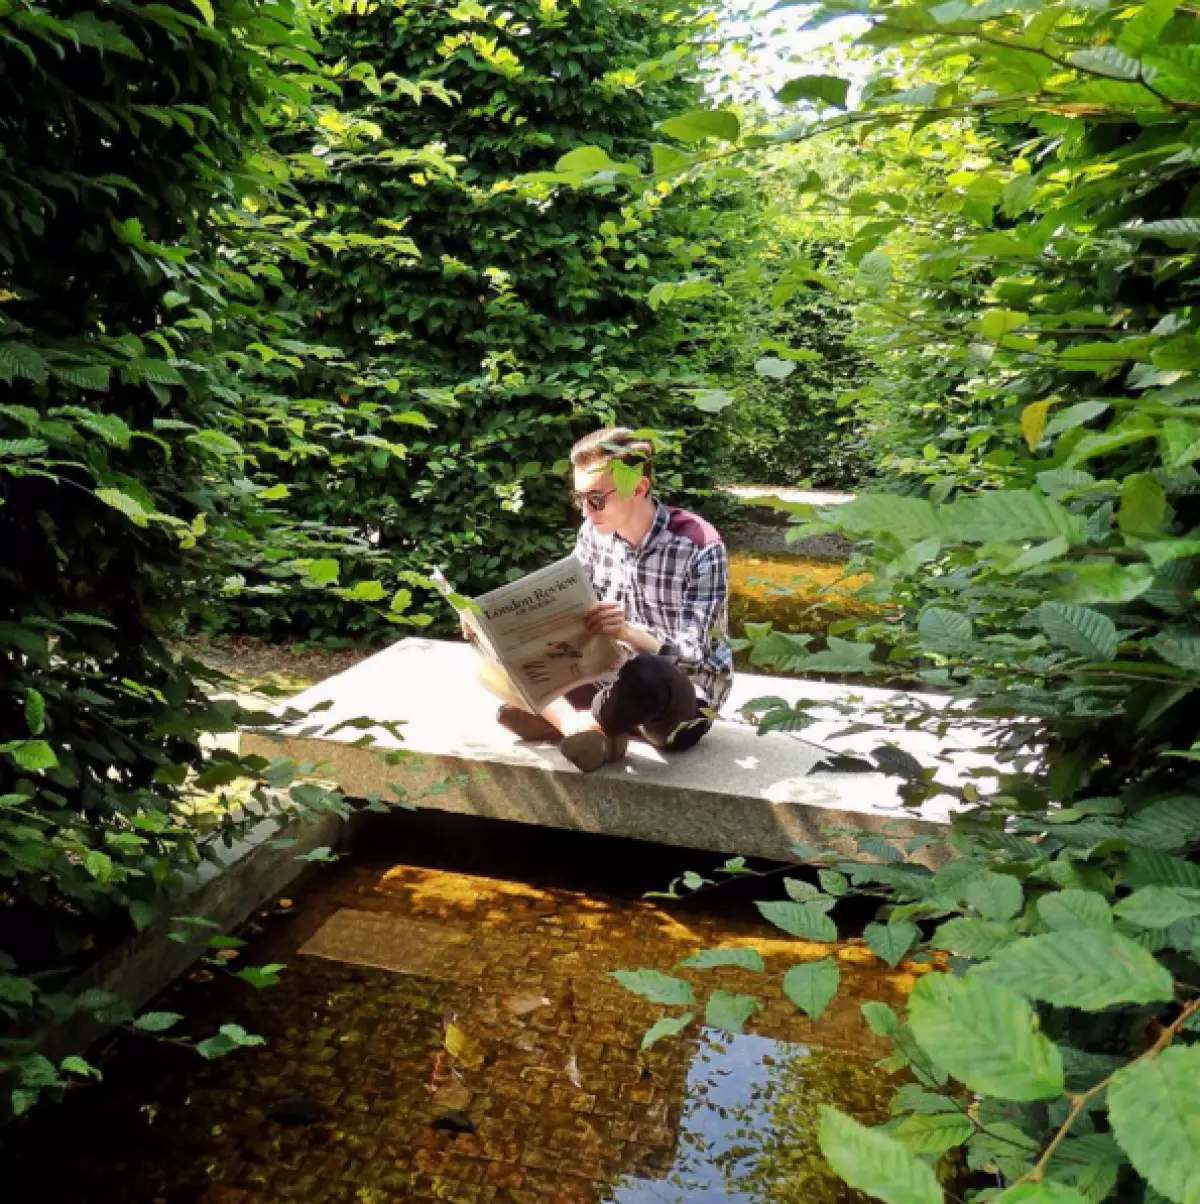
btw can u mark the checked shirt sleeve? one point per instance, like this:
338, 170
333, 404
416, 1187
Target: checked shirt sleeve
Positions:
692, 645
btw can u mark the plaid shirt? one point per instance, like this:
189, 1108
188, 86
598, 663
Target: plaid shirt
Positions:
675, 584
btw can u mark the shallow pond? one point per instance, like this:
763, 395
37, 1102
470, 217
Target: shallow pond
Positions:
794, 593
453, 1034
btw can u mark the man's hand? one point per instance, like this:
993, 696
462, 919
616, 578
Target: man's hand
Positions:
606, 618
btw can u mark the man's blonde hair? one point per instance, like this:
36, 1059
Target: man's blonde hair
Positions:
614, 444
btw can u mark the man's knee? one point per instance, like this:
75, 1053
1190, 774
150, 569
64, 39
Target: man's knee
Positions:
643, 671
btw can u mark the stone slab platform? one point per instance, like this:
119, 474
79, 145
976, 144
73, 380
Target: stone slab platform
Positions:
737, 792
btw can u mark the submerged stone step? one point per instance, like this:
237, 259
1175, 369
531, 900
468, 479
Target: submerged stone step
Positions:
737, 792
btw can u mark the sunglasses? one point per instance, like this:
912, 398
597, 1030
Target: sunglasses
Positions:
592, 499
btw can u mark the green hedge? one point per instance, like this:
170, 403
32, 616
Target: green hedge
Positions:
477, 323
123, 130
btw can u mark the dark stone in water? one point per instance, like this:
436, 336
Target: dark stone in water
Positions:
453, 1120
297, 1110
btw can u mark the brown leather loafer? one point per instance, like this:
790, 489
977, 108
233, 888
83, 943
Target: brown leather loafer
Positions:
525, 725
587, 751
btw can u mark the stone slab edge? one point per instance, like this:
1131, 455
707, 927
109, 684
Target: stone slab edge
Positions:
149, 961
606, 805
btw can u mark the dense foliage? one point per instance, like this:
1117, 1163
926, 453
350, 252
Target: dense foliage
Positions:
1022, 262
474, 326
123, 133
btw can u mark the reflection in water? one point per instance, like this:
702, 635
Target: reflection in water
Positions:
748, 1132
443, 1036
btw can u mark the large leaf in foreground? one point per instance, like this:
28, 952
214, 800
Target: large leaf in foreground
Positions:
811, 985
871, 1161
986, 1036
1046, 1192
806, 920
1084, 968
1154, 1107
891, 941
655, 986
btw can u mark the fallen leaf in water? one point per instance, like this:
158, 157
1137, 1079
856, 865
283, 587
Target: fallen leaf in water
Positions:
461, 1045
572, 1069
522, 1005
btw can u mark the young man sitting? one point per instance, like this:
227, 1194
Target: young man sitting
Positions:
661, 576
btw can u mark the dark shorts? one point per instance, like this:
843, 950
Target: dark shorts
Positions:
650, 696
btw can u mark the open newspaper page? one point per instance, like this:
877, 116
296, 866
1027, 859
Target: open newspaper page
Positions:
534, 630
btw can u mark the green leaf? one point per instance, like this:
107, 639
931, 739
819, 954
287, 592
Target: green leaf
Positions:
778, 369
833, 882
698, 124
806, 920
1179, 647
1045, 1192
367, 591
130, 507
729, 1012
22, 360
626, 477
587, 160
1143, 505
1175, 229
261, 976
85, 376
98, 864
35, 712
825, 89
891, 941
80, 1066
322, 571
946, 629
1107, 61
666, 1026
995, 896
216, 442
668, 160
708, 959
873, 1162
811, 985
1156, 907
800, 891
1145, 867
712, 401
1168, 824
655, 986
879, 1017
205, 9
1107, 582
996, 323
986, 1036
157, 1022
1067, 909
1082, 968
1153, 1106
31, 754
874, 272
933, 1132
1082, 630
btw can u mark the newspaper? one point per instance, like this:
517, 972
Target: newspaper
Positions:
532, 632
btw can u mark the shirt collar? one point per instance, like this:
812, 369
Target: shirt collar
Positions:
657, 526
